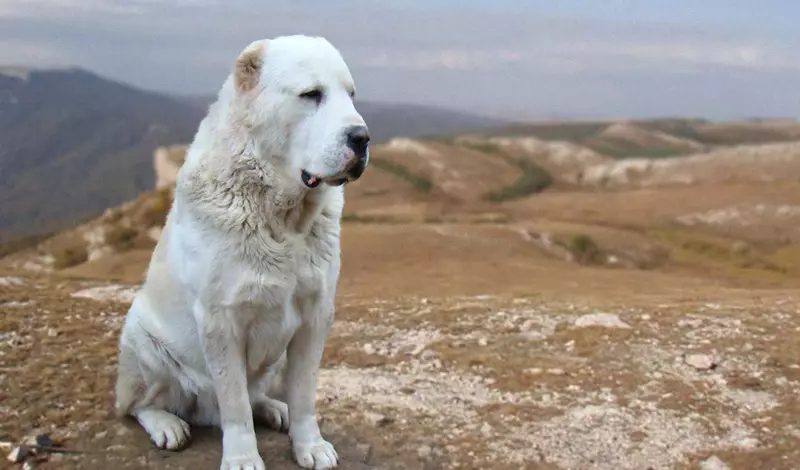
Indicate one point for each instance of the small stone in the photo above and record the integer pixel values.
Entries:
(378, 420)
(748, 443)
(483, 342)
(11, 281)
(607, 320)
(28, 465)
(424, 451)
(713, 463)
(52, 332)
(556, 371)
(18, 454)
(700, 361)
(368, 348)
(44, 440)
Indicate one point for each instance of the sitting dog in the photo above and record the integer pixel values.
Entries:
(238, 300)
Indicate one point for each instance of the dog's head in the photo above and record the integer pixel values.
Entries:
(295, 95)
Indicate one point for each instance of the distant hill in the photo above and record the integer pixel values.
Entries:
(656, 138)
(74, 143)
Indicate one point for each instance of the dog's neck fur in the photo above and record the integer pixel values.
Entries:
(234, 182)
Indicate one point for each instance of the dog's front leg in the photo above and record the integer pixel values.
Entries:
(224, 350)
(303, 358)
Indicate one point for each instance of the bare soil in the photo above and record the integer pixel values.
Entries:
(457, 346)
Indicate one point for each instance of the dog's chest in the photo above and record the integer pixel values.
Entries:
(299, 266)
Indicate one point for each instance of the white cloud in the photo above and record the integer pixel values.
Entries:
(744, 55)
(31, 54)
(452, 59)
(66, 8)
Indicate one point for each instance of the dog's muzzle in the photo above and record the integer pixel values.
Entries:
(358, 141)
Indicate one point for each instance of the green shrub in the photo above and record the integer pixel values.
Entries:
(419, 182)
(585, 250)
(369, 219)
(71, 256)
(533, 179)
(485, 147)
(120, 238)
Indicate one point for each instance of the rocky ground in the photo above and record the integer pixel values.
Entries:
(707, 379)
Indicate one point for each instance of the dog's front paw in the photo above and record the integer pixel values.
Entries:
(318, 454)
(242, 462)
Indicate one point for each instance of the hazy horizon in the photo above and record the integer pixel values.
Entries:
(524, 60)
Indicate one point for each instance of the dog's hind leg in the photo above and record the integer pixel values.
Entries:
(267, 397)
(272, 412)
(166, 430)
(147, 400)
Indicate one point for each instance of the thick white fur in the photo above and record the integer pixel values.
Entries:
(239, 295)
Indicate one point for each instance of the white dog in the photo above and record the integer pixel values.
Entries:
(238, 302)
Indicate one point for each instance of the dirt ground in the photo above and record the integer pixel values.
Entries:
(457, 346)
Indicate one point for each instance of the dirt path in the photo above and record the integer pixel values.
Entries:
(490, 382)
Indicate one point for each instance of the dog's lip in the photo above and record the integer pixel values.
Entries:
(310, 180)
(337, 181)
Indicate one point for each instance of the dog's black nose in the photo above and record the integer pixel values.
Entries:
(357, 138)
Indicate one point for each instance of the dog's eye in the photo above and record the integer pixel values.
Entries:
(314, 95)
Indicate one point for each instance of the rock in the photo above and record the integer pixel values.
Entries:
(482, 342)
(11, 281)
(18, 454)
(43, 440)
(700, 361)
(740, 248)
(424, 451)
(713, 463)
(115, 292)
(28, 465)
(607, 320)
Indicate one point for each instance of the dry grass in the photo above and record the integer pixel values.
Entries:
(70, 256)
(120, 237)
(155, 214)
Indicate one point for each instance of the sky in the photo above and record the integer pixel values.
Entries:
(523, 59)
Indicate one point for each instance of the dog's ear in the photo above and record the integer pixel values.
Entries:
(248, 65)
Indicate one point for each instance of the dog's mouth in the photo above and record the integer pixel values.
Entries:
(312, 181)
(309, 180)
